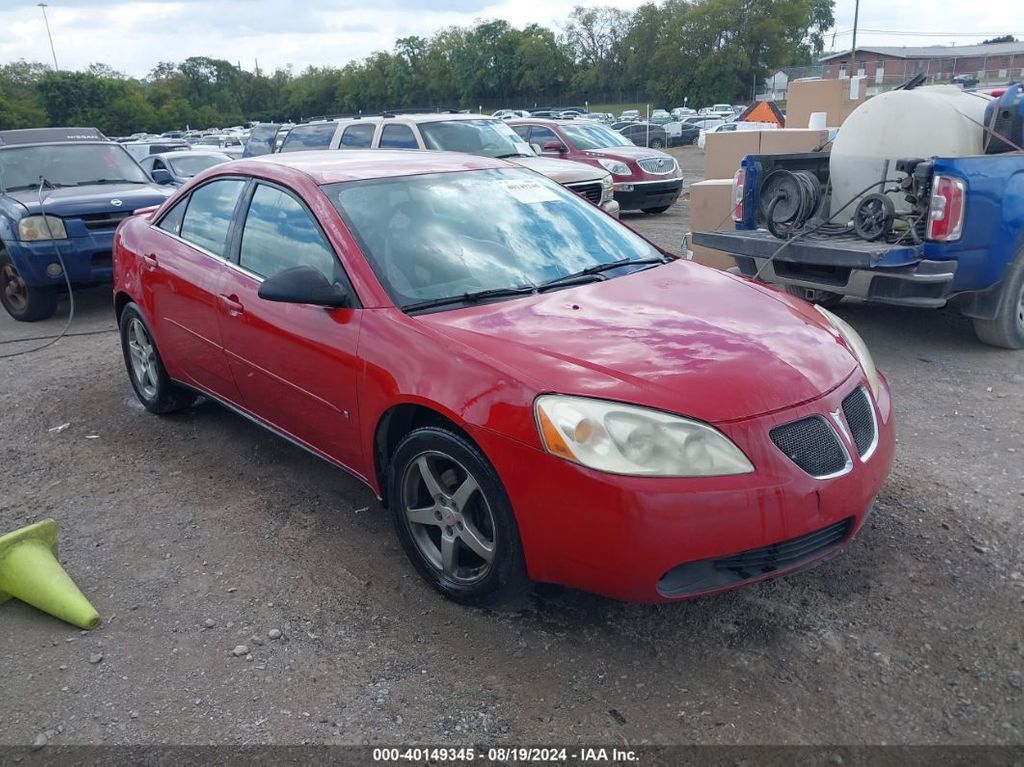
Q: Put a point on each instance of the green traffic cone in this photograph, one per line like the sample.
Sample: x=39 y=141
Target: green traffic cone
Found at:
x=29 y=571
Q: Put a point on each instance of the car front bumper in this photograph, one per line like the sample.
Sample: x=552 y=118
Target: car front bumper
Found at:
x=87 y=259
x=641 y=195
x=646 y=539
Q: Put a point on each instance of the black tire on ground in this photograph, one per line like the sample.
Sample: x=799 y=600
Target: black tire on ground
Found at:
x=22 y=302
x=659 y=209
x=657 y=144
x=154 y=388
x=1007 y=328
x=454 y=519
x=824 y=298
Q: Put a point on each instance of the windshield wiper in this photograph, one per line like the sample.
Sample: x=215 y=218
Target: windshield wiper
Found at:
x=512 y=154
x=591 y=273
x=470 y=298
x=107 y=181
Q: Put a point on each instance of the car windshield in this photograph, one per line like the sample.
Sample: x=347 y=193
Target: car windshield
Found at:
x=488 y=137
x=187 y=167
x=594 y=136
x=68 y=165
x=445 y=235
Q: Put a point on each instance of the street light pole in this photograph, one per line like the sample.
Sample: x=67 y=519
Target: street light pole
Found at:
x=53 y=50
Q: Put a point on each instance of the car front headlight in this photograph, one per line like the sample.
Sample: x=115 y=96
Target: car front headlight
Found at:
x=32 y=228
x=627 y=439
x=615 y=167
x=857 y=346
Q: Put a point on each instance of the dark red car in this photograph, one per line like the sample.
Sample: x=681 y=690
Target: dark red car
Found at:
x=645 y=179
x=535 y=391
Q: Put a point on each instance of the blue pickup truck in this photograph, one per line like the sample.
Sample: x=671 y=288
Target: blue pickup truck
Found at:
x=927 y=231
x=62 y=190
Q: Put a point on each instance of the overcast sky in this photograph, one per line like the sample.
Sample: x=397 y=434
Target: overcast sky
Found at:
x=133 y=36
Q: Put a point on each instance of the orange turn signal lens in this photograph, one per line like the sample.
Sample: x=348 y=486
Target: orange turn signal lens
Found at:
x=553 y=441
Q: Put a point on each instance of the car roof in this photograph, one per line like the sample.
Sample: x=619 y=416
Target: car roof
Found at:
x=334 y=166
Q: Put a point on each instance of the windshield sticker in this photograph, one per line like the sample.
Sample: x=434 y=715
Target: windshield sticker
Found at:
x=530 y=192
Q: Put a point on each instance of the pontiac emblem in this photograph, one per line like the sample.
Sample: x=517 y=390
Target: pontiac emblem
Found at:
x=116 y=203
x=837 y=416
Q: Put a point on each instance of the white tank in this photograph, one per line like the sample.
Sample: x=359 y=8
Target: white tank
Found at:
x=936 y=121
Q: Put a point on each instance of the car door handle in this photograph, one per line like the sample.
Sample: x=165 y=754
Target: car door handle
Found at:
x=231 y=304
x=150 y=260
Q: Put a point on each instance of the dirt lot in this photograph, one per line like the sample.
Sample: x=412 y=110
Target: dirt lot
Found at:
x=915 y=634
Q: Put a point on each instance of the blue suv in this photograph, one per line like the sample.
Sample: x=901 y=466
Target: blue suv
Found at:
x=66 y=190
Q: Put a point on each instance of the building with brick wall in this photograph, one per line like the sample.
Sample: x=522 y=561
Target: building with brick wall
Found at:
x=887 y=66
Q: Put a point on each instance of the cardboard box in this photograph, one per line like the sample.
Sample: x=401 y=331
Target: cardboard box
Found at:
x=792 y=140
x=710 y=210
x=836 y=98
x=724 y=151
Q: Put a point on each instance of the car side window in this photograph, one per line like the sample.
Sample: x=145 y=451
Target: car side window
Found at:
x=395 y=136
x=210 y=211
x=279 y=233
x=358 y=136
x=171 y=222
x=541 y=135
x=314 y=136
x=159 y=165
x=522 y=130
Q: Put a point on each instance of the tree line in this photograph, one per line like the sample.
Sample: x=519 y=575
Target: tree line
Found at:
x=703 y=51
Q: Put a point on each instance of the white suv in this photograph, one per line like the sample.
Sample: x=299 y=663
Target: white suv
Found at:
x=469 y=133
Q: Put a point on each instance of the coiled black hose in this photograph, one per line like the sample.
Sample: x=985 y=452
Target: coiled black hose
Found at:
x=792 y=199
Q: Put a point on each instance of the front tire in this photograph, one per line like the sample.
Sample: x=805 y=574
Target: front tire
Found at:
x=454 y=519
x=823 y=298
x=657 y=144
x=154 y=388
x=1007 y=328
x=24 y=302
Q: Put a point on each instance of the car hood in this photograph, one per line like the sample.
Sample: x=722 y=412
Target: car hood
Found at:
x=626 y=153
x=562 y=171
x=98 y=198
x=682 y=337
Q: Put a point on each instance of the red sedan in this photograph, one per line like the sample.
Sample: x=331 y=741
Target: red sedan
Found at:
x=532 y=389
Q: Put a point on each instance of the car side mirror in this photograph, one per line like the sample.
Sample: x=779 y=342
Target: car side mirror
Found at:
x=554 y=146
x=161 y=176
x=304 y=285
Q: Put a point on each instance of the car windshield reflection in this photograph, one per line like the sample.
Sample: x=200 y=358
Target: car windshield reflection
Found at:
x=446 y=235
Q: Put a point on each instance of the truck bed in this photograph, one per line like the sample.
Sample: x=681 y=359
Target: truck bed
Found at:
x=841 y=251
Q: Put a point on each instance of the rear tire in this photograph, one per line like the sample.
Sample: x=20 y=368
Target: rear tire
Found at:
x=659 y=209
x=1006 y=330
x=454 y=519
x=657 y=144
x=154 y=388
x=823 y=298
x=23 y=302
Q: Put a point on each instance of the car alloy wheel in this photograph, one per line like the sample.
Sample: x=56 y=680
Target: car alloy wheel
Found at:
x=14 y=288
x=142 y=355
x=449 y=518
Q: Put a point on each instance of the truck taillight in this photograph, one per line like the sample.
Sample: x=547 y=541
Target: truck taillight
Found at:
x=946 y=211
x=737 y=195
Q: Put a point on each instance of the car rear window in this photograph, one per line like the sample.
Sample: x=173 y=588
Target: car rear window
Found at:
x=304 y=137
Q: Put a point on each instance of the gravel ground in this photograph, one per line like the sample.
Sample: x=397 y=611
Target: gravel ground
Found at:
x=253 y=594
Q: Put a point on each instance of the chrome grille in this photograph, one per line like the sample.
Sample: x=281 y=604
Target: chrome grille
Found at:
x=589 y=191
x=657 y=164
x=861 y=419
x=812 y=445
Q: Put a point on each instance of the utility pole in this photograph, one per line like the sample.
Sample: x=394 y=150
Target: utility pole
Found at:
x=853 y=48
x=53 y=50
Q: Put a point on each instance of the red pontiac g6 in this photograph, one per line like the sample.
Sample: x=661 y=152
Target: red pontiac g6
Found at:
x=533 y=390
